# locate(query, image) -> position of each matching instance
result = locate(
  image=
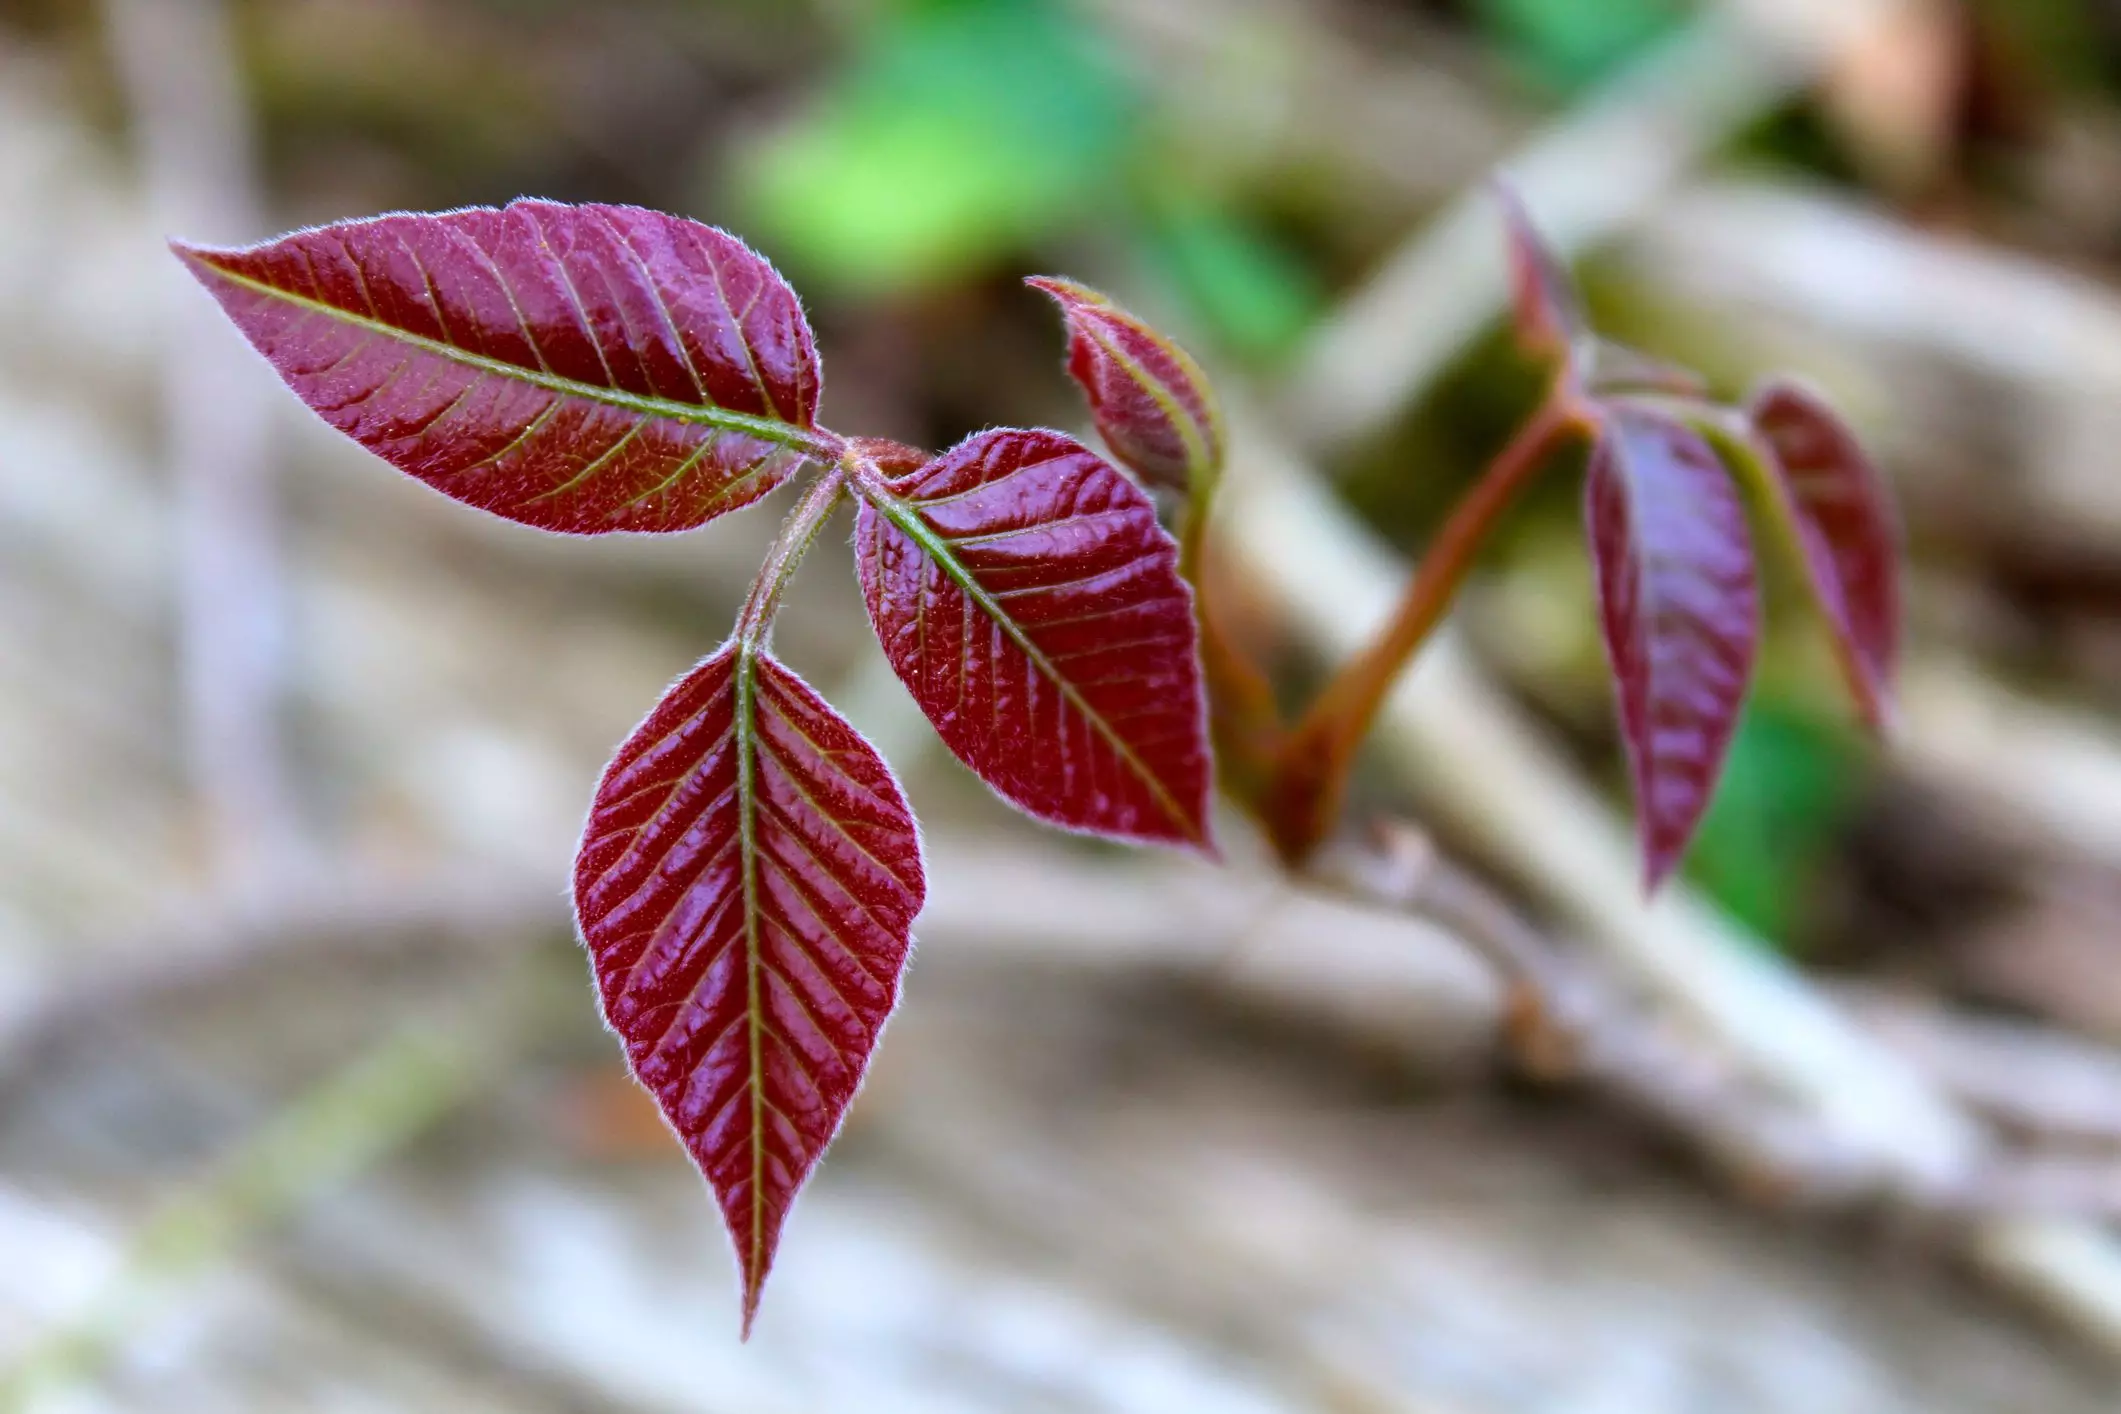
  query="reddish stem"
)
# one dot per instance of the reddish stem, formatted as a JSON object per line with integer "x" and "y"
{"x": 796, "y": 535}
{"x": 1310, "y": 777}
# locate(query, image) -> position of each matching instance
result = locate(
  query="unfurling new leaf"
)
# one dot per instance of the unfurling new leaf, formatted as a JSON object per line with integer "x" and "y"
{"x": 1545, "y": 312}
{"x": 1151, "y": 402}
{"x": 1028, "y": 599}
{"x": 747, "y": 887}
{"x": 576, "y": 368}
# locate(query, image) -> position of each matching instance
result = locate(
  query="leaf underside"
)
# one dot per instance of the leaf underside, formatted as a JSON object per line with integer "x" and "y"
{"x": 1025, "y": 594}
{"x": 1837, "y": 503}
{"x": 1679, "y": 608}
{"x": 746, "y": 887}
{"x": 577, "y": 368}
{"x": 1150, "y": 400}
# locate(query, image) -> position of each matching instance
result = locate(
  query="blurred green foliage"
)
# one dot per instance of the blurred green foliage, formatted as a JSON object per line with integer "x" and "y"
{"x": 2064, "y": 43}
{"x": 1567, "y": 45}
{"x": 1789, "y": 793}
{"x": 959, "y": 130}
{"x": 1250, "y": 291}
{"x": 960, "y": 134}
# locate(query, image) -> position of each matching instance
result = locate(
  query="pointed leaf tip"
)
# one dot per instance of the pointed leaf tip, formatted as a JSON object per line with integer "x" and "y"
{"x": 1841, "y": 510}
{"x": 1545, "y": 312}
{"x": 1680, "y": 614}
{"x": 1025, "y": 594}
{"x": 1152, "y": 404}
{"x": 746, "y": 888}
{"x": 577, "y": 368}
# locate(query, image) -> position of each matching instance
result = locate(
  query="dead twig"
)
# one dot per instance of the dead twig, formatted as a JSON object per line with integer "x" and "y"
{"x": 355, "y": 1118}
{"x": 212, "y": 942}
{"x": 2037, "y": 1083}
{"x": 1588, "y": 176}
{"x": 175, "y": 60}
{"x": 1567, "y": 1021}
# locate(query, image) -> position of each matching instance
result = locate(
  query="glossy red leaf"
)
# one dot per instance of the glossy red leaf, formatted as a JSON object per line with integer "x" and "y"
{"x": 1544, "y": 310}
{"x": 746, "y": 886}
{"x": 1151, "y": 402}
{"x": 1842, "y": 515}
{"x": 576, "y": 368}
{"x": 1680, "y": 612}
{"x": 1027, "y": 597}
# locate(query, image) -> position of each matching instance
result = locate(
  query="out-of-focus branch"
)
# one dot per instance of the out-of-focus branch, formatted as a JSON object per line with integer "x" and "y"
{"x": 176, "y": 64}
{"x": 354, "y": 1119}
{"x": 210, "y": 942}
{"x": 2034, "y": 1081}
{"x": 1567, "y": 1020}
{"x": 1592, "y": 174}
{"x": 1827, "y": 261}
{"x": 1403, "y": 984}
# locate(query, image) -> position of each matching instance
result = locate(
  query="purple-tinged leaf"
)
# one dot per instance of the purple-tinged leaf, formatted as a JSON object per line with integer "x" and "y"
{"x": 1544, "y": 309}
{"x": 1025, "y": 594}
{"x": 1680, "y": 612}
{"x": 1152, "y": 404}
{"x": 746, "y": 886}
{"x": 1841, "y": 513}
{"x": 576, "y": 368}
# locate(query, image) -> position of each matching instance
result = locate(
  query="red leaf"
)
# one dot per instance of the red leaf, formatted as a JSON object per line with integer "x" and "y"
{"x": 1680, "y": 611}
{"x": 746, "y": 887}
{"x": 1842, "y": 514}
{"x": 576, "y": 368}
{"x": 1544, "y": 308}
{"x": 1152, "y": 404}
{"x": 1027, "y": 597}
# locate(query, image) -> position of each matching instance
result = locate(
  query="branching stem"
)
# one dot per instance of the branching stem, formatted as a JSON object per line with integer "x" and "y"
{"x": 797, "y": 534}
{"x": 1310, "y": 776}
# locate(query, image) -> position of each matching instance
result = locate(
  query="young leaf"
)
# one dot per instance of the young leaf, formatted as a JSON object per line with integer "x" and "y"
{"x": 576, "y": 368}
{"x": 1151, "y": 402}
{"x": 1027, "y": 597}
{"x": 1680, "y": 611}
{"x": 746, "y": 887}
{"x": 1842, "y": 515}
{"x": 1544, "y": 309}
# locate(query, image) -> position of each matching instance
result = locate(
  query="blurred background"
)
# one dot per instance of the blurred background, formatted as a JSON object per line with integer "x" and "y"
{"x": 303, "y": 1099}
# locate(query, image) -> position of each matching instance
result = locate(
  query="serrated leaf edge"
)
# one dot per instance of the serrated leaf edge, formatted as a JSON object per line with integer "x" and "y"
{"x": 810, "y": 441}
{"x": 877, "y": 493}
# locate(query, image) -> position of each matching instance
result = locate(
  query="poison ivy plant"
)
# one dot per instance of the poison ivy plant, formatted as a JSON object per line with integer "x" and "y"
{"x": 750, "y": 873}
{"x": 1673, "y": 560}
